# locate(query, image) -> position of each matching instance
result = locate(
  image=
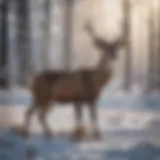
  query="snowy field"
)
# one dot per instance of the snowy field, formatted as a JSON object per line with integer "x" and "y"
{"x": 126, "y": 135}
{"x": 130, "y": 127}
{"x": 61, "y": 118}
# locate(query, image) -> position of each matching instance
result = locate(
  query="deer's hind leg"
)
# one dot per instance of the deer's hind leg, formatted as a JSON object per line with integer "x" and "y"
{"x": 42, "y": 119}
{"x": 28, "y": 115}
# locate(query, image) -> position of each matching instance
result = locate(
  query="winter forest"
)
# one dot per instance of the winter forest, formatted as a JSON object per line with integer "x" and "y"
{"x": 40, "y": 35}
{"x": 37, "y": 35}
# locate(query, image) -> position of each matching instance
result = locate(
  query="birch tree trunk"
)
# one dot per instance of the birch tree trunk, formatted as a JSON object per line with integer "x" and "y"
{"x": 68, "y": 28}
{"x": 159, "y": 47}
{"x": 128, "y": 51}
{"x": 151, "y": 53}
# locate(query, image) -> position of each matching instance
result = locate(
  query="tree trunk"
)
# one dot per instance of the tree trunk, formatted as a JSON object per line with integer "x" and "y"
{"x": 68, "y": 33}
{"x": 23, "y": 40}
{"x": 151, "y": 53}
{"x": 128, "y": 51}
{"x": 47, "y": 8}
{"x": 159, "y": 48}
{"x": 4, "y": 44}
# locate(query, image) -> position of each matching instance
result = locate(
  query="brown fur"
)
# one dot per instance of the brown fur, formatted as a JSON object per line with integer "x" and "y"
{"x": 80, "y": 87}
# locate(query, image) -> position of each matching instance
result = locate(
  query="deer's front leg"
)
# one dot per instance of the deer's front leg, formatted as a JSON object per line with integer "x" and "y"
{"x": 94, "y": 120}
{"x": 80, "y": 131}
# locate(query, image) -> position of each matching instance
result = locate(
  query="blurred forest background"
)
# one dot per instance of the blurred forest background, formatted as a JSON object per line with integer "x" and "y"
{"x": 49, "y": 34}
{"x": 36, "y": 35}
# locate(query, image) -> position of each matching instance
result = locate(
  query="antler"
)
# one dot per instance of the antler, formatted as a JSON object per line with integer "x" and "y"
{"x": 101, "y": 44}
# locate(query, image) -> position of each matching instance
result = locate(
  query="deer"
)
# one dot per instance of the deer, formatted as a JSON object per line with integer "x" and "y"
{"x": 77, "y": 87}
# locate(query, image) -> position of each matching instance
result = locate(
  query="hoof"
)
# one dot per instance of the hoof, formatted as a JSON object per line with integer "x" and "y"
{"x": 25, "y": 134}
{"x": 22, "y": 131}
{"x": 79, "y": 134}
{"x": 49, "y": 135}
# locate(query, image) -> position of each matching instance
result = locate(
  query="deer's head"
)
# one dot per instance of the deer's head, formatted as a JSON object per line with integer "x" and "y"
{"x": 109, "y": 53}
{"x": 109, "y": 49}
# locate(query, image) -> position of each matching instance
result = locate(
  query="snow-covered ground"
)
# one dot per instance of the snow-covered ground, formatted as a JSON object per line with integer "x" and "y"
{"x": 130, "y": 127}
{"x": 61, "y": 118}
{"x": 126, "y": 135}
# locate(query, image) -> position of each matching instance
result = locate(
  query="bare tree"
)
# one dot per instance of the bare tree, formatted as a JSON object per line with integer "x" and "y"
{"x": 47, "y": 24}
{"x": 159, "y": 48}
{"x": 24, "y": 51}
{"x": 151, "y": 53}
{"x": 68, "y": 32}
{"x": 4, "y": 43}
{"x": 128, "y": 51}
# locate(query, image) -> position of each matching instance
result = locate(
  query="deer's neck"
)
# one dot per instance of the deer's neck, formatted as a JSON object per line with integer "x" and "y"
{"x": 101, "y": 78}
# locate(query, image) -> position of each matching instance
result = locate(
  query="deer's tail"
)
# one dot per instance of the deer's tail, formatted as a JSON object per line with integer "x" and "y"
{"x": 31, "y": 83}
